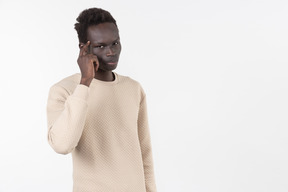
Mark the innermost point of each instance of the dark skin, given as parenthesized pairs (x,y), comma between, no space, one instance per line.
(99,56)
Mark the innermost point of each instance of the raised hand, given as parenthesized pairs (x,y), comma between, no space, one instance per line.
(88,64)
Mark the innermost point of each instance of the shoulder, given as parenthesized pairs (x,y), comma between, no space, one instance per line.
(130,83)
(68,84)
(126,79)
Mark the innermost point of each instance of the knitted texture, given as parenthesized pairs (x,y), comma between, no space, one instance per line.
(105,128)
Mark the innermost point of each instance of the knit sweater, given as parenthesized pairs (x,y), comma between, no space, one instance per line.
(105,128)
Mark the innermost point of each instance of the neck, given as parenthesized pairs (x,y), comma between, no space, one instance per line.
(104,75)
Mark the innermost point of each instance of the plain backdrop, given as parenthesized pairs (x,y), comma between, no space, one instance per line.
(215,74)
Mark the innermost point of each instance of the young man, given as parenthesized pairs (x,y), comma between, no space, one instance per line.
(100,116)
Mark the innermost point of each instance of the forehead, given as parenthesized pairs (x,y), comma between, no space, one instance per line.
(102,33)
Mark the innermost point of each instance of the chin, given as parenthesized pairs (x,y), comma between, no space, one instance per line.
(108,67)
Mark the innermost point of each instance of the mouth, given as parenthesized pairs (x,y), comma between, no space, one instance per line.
(112,62)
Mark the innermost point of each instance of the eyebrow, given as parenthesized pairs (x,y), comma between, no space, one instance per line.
(101,43)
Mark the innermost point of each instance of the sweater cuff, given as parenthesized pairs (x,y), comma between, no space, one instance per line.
(81,92)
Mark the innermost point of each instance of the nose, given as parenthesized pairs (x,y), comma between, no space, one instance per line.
(110,51)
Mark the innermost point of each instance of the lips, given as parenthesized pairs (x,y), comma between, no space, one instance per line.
(112,62)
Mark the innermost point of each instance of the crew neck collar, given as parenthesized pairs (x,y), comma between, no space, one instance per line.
(97,81)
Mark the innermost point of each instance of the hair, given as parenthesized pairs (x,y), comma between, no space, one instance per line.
(89,17)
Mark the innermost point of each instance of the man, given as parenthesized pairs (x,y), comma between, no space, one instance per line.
(100,116)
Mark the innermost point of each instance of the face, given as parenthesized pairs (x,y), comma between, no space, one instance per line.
(105,44)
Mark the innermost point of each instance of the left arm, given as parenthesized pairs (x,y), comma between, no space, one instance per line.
(145,144)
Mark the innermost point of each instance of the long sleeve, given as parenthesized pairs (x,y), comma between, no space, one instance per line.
(66,114)
(145,144)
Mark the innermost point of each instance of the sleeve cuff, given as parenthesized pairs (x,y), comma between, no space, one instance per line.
(81,92)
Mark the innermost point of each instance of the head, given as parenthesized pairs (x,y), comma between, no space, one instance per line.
(99,27)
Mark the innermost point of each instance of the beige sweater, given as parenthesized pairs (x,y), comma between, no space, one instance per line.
(105,128)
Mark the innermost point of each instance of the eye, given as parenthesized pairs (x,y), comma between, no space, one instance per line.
(99,46)
(116,43)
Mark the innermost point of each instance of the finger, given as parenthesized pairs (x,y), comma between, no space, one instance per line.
(96,62)
(84,48)
(81,49)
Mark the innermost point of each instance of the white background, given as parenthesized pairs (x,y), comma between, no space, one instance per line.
(215,75)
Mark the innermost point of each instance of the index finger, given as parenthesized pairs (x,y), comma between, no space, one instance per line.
(84,48)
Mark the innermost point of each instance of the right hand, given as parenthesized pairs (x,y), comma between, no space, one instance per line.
(86,62)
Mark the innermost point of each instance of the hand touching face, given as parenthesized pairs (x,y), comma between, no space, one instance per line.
(88,64)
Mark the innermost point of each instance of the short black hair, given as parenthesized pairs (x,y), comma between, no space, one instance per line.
(89,17)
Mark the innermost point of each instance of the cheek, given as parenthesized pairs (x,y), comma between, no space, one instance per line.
(119,49)
(100,59)
(98,53)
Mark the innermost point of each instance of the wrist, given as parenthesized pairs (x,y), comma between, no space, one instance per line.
(86,81)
